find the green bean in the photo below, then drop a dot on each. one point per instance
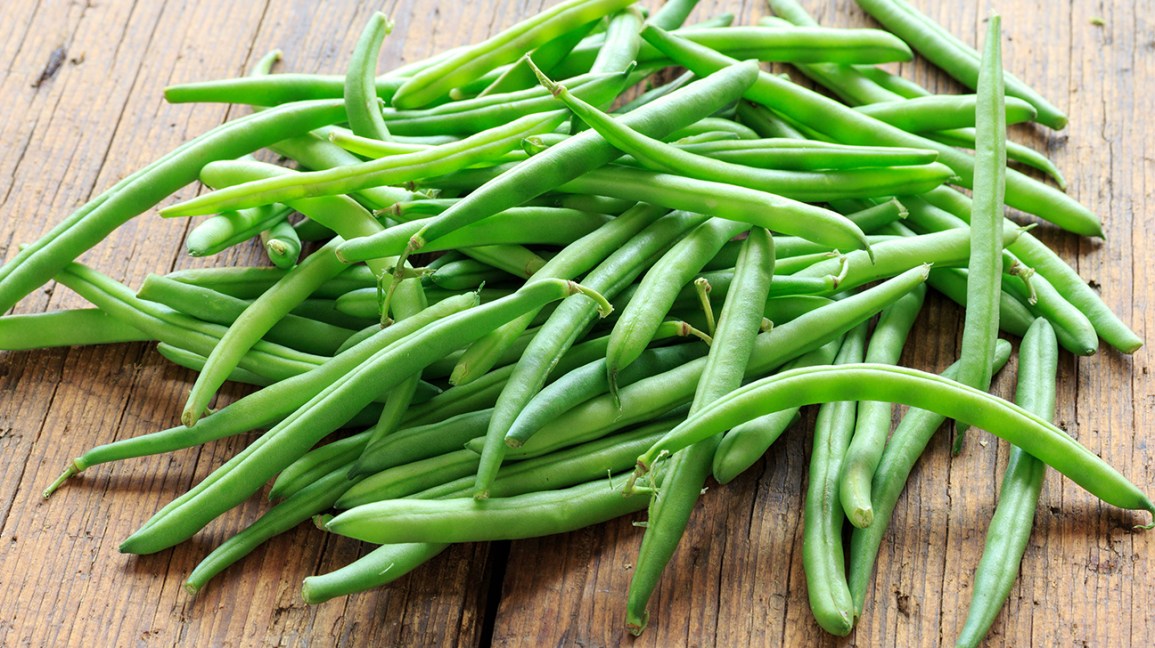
(416, 442)
(724, 368)
(314, 151)
(465, 519)
(658, 289)
(742, 446)
(1025, 155)
(943, 249)
(575, 259)
(295, 509)
(454, 119)
(823, 560)
(411, 300)
(293, 331)
(465, 274)
(518, 75)
(431, 84)
(282, 245)
(266, 406)
(317, 463)
(1065, 279)
(361, 103)
(942, 112)
(848, 126)
(1010, 528)
(538, 225)
(406, 479)
(620, 49)
(563, 468)
(766, 123)
(246, 472)
(162, 324)
(379, 567)
(196, 362)
(844, 81)
(588, 381)
(661, 393)
(951, 55)
(254, 322)
(985, 268)
(808, 155)
(77, 327)
(566, 324)
(272, 90)
(672, 14)
(797, 185)
(225, 230)
(587, 151)
(1075, 331)
(872, 425)
(38, 262)
(802, 45)
(917, 389)
(750, 206)
(1014, 316)
(349, 178)
(365, 303)
(906, 444)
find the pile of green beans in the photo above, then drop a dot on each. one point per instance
(536, 297)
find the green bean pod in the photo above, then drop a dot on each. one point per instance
(664, 392)
(906, 444)
(797, 185)
(917, 389)
(724, 369)
(745, 444)
(587, 151)
(985, 268)
(465, 519)
(295, 331)
(255, 322)
(76, 327)
(297, 508)
(435, 82)
(823, 560)
(589, 381)
(317, 463)
(38, 262)
(942, 112)
(566, 324)
(845, 125)
(227, 229)
(333, 406)
(1010, 528)
(361, 103)
(1048, 264)
(872, 425)
(282, 245)
(266, 406)
(579, 257)
(519, 225)
(659, 287)
(394, 169)
(951, 55)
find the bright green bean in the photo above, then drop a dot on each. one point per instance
(1010, 528)
(872, 425)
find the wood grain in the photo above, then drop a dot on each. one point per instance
(736, 578)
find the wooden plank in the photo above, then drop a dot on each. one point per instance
(737, 577)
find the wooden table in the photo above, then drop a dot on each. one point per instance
(81, 106)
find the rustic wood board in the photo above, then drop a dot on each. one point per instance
(737, 577)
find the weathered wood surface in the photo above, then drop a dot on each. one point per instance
(736, 579)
